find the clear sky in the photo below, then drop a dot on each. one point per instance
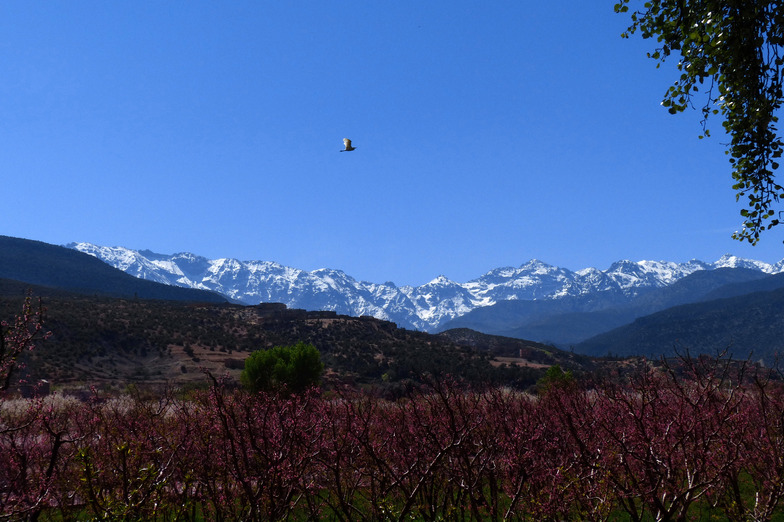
(487, 134)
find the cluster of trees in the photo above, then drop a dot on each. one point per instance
(283, 368)
(699, 440)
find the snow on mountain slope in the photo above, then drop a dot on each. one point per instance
(629, 275)
(423, 307)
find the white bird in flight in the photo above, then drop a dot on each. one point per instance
(347, 144)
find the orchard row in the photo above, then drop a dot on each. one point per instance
(666, 444)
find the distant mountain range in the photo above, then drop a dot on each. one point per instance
(569, 320)
(632, 308)
(535, 301)
(56, 268)
(109, 328)
(743, 324)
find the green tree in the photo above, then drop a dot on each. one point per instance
(555, 378)
(293, 368)
(732, 53)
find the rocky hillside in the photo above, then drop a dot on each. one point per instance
(113, 342)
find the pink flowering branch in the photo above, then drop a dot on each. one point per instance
(19, 335)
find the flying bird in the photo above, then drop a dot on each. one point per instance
(347, 144)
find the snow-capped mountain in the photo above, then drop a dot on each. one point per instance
(424, 307)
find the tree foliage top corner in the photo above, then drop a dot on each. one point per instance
(731, 62)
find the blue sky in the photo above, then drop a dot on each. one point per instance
(487, 134)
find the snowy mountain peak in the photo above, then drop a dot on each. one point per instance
(730, 261)
(424, 307)
(630, 275)
(441, 280)
(535, 265)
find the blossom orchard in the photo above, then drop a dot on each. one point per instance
(666, 443)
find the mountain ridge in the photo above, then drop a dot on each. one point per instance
(426, 307)
(570, 320)
(47, 265)
(746, 325)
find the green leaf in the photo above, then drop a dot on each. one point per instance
(729, 44)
